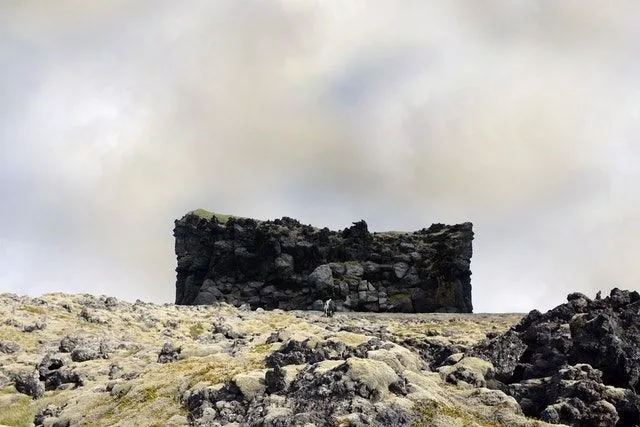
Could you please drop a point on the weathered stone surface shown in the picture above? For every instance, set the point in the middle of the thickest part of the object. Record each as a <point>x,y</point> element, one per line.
<point>52,371</point>
<point>69,343</point>
<point>29,384</point>
<point>8,347</point>
<point>83,354</point>
<point>169,353</point>
<point>578,364</point>
<point>290,265</point>
<point>50,411</point>
<point>469,370</point>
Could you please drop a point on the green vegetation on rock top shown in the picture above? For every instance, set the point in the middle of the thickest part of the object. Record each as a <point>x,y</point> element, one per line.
<point>203,213</point>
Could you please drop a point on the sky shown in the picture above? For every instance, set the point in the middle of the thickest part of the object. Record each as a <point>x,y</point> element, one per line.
<point>521,116</point>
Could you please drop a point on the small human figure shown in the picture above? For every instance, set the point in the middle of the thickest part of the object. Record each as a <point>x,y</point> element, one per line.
<point>329,308</point>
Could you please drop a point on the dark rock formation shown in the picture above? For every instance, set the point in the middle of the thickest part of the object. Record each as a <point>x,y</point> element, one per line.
<point>28,383</point>
<point>49,414</point>
<point>51,370</point>
<point>83,354</point>
<point>69,343</point>
<point>284,264</point>
<point>339,394</point>
<point>169,353</point>
<point>8,347</point>
<point>577,364</point>
<point>297,353</point>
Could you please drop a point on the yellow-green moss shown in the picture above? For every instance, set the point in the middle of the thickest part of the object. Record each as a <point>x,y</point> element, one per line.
<point>18,410</point>
<point>427,411</point>
<point>151,399</point>
<point>18,413</point>
<point>261,348</point>
<point>203,213</point>
<point>32,310</point>
<point>196,330</point>
<point>400,298</point>
<point>25,340</point>
<point>210,369</point>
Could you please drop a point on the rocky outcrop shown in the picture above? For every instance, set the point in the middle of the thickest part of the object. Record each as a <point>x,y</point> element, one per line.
<point>284,264</point>
<point>577,364</point>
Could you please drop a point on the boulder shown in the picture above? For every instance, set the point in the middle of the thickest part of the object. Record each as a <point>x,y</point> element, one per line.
<point>29,383</point>
<point>169,353</point>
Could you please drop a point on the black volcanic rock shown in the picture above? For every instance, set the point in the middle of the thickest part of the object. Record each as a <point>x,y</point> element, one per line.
<point>169,353</point>
<point>284,264</point>
<point>578,364</point>
<point>29,383</point>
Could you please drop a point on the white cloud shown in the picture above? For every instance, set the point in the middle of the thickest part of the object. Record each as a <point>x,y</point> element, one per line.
<point>518,117</point>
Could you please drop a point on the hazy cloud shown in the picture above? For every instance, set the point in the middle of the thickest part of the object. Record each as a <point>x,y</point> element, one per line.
<point>520,116</point>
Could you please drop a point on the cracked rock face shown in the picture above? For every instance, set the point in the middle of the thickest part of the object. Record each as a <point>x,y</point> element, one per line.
<point>577,364</point>
<point>284,264</point>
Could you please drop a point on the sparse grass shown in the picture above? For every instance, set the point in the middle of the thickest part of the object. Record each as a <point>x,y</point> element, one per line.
<point>135,399</point>
<point>18,410</point>
<point>213,369</point>
<point>278,320</point>
<point>159,398</point>
<point>267,322</point>
<point>25,340</point>
<point>18,413</point>
<point>32,309</point>
<point>427,411</point>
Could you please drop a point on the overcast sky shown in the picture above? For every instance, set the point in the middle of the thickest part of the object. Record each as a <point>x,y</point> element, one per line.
<point>117,117</point>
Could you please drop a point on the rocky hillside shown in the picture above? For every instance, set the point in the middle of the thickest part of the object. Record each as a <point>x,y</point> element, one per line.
<point>68,360</point>
<point>284,264</point>
<point>94,361</point>
<point>577,364</point>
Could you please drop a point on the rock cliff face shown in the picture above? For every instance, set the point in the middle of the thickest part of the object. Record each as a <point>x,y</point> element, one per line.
<point>284,264</point>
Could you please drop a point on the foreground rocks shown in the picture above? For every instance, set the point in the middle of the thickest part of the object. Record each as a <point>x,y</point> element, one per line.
<point>577,364</point>
<point>284,264</point>
<point>145,364</point>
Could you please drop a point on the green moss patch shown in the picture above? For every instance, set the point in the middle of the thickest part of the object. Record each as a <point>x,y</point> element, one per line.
<point>25,340</point>
<point>427,411</point>
<point>32,310</point>
<point>196,330</point>
<point>203,213</point>
<point>18,412</point>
